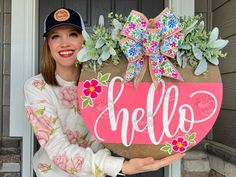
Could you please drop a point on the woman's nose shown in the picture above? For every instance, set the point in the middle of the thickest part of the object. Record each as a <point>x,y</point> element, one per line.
<point>65,42</point>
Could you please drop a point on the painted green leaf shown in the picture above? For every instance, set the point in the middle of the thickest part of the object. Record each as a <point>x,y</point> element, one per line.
<point>99,76</point>
<point>86,101</point>
<point>167,148</point>
<point>104,78</point>
<point>191,138</point>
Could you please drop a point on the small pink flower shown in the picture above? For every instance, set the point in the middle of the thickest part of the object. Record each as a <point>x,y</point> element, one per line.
<point>91,88</point>
<point>144,23</point>
<point>179,144</point>
<point>174,75</point>
<point>68,96</point>
<point>173,44</point>
<point>61,161</point>
<point>42,137</point>
<point>170,51</point>
<point>78,162</point>
<point>158,25</point>
<point>30,113</point>
<point>162,70</point>
<point>39,84</point>
<point>132,25</point>
<point>72,136</point>
<point>44,167</point>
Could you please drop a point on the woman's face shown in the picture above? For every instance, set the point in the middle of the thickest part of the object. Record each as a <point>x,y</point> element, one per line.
<point>64,43</point>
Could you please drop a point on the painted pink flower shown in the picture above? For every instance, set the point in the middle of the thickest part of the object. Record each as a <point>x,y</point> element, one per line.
<point>68,96</point>
<point>179,144</point>
<point>61,161</point>
<point>39,84</point>
<point>91,88</point>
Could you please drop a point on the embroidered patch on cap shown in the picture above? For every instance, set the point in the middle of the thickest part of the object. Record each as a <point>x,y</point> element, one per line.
<point>61,15</point>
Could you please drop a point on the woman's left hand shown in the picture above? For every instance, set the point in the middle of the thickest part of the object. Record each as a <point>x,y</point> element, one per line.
<point>141,165</point>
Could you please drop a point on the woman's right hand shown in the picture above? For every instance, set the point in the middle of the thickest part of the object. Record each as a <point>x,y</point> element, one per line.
<point>141,165</point>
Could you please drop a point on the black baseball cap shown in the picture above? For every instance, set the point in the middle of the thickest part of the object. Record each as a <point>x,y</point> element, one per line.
<point>63,16</point>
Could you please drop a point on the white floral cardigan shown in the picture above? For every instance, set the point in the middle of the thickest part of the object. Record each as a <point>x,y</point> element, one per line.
<point>67,148</point>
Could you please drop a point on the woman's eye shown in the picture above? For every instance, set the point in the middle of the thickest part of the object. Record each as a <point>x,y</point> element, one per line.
<point>54,36</point>
<point>74,34</point>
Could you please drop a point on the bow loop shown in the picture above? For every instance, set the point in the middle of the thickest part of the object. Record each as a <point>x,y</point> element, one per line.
<point>151,44</point>
<point>135,26</point>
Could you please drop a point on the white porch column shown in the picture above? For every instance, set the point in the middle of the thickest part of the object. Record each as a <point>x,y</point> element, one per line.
<point>23,63</point>
<point>180,8</point>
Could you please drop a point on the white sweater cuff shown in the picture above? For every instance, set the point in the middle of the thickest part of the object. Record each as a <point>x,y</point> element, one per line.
<point>113,165</point>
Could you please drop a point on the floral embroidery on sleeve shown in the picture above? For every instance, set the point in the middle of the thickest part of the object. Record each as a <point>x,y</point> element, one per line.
<point>75,137</point>
<point>69,165</point>
<point>39,84</point>
<point>42,124</point>
<point>68,97</point>
<point>43,167</point>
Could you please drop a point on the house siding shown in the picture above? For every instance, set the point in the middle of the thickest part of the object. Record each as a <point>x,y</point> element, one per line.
<point>5,62</point>
<point>224,17</point>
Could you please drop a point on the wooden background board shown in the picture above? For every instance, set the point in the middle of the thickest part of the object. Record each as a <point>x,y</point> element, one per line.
<point>213,75</point>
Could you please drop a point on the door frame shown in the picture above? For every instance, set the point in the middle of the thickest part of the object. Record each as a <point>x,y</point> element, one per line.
<point>24,61</point>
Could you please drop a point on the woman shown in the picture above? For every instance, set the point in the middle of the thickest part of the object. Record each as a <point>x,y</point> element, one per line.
<point>67,148</point>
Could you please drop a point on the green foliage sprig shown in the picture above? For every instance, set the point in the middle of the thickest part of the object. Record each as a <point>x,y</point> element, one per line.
<point>103,43</point>
<point>199,47</point>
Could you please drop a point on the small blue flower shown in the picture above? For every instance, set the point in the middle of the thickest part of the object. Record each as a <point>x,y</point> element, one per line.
<point>132,52</point>
<point>172,23</point>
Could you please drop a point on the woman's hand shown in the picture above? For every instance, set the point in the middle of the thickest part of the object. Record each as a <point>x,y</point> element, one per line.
<point>139,165</point>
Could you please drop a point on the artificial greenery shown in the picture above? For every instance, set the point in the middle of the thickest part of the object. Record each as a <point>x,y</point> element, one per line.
<point>198,48</point>
<point>103,43</point>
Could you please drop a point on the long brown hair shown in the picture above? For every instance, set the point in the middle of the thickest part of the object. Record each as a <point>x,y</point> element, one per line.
<point>48,65</point>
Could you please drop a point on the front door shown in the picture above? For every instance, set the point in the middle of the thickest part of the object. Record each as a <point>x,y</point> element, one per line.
<point>90,11</point>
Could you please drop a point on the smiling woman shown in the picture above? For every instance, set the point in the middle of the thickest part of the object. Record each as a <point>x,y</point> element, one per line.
<point>52,110</point>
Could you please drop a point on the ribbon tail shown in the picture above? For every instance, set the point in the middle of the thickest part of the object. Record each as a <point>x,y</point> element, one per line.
<point>155,75</point>
<point>170,70</point>
<point>140,74</point>
<point>130,72</point>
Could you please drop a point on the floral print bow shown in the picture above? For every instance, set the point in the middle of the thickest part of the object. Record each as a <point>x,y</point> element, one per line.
<point>151,43</point>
